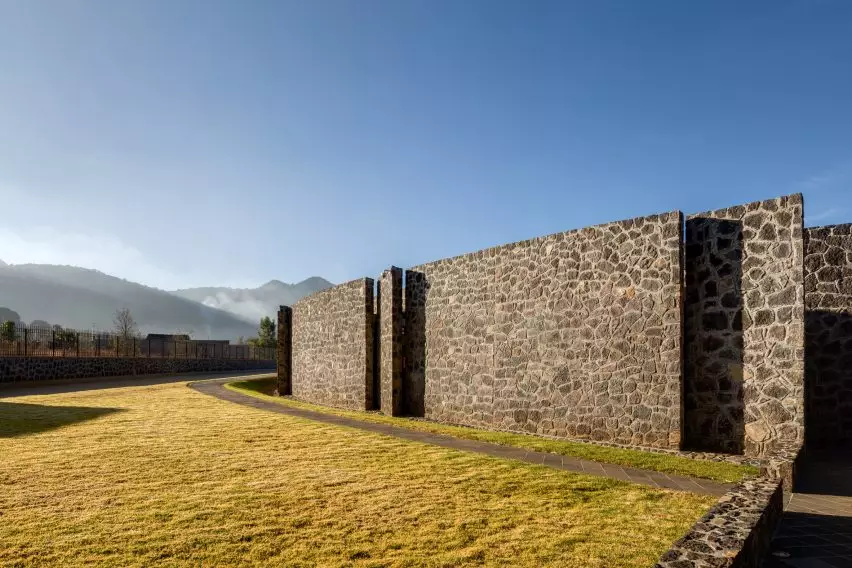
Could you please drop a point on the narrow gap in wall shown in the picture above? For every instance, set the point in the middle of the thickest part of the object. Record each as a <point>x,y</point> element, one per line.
<point>377,344</point>
<point>377,387</point>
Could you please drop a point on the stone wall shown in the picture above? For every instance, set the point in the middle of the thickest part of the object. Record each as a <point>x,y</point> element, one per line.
<point>390,337</point>
<point>744,333</point>
<point>585,334</point>
<point>50,368</point>
<point>332,346</point>
<point>828,332</point>
<point>576,334</point>
<point>735,533</point>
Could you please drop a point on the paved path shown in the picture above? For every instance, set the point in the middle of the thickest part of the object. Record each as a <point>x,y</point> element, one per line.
<point>58,386</point>
<point>651,478</point>
<point>816,529</point>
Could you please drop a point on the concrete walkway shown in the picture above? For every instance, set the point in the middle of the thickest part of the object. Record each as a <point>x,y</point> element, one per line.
<point>816,529</point>
<point>217,389</point>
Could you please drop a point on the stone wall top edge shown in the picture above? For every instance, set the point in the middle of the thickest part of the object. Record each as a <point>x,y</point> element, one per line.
<point>836,229</point>
<point>391,269</point>
<point>793,198</point>
<point>674,214</point>
<point>355,284</point>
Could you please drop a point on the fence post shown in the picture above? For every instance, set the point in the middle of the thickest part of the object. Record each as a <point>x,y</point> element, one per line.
<point>78,345</point>
<point>53,343</point>
<point>134,347</point>
<point>26,333</point>
<point>97,345</point>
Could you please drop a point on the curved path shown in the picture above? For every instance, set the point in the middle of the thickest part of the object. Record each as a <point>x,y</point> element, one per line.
<point>217,389</point>
<point>57,386</point>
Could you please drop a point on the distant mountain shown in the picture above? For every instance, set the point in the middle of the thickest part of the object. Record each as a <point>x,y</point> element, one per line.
<point>254,303</point>
<point>82,298</point>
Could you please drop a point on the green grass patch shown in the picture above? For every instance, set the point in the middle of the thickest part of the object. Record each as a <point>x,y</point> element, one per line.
<point>724,472</point>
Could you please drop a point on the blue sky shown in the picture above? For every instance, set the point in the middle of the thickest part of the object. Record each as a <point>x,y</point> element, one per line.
<point>182,143</point>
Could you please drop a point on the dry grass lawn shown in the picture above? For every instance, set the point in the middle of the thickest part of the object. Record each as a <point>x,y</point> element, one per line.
<point>164,475</point>
<point>724,472</point>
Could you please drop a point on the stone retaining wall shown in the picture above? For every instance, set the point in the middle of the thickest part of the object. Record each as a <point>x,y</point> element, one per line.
<point>828,332</point>
<point>332,346</point>
<point>744,332</point>
<point>50,368</point>
<point>735,533</point>
<point>575,334</point>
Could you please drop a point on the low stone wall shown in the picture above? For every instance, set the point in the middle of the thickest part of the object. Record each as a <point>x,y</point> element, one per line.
<point>14,369</point>
<point>332,346</point>
<point>735,533</point>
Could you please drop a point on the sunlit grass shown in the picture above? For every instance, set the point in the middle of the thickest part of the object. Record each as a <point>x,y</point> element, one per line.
<point>724,472</point>
<point>180,478</point>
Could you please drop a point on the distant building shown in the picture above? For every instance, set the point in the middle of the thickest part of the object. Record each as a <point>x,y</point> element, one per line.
<point>167,337</point>
<point>181,346</point>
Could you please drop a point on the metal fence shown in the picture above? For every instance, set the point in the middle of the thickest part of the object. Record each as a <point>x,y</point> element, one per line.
<point>24,341</point>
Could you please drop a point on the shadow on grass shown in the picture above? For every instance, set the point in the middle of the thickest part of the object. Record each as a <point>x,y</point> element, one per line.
<point>21,419</point>
<point>261,386</point>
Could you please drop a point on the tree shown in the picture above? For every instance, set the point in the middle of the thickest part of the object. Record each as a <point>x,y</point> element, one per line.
<point>64,338</point>
<point>125,329</point>
<point>9,315</point>
<point>124,324</point>
<point>8,332</point>
<point>266,332</point>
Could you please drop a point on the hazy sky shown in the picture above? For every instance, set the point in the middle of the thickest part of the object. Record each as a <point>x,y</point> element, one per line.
<point>184,143</point>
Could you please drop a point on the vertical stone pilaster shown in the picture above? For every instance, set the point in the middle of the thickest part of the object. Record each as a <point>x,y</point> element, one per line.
<point>390,348</point>
<point>744,389</point>
<point>284,384</point>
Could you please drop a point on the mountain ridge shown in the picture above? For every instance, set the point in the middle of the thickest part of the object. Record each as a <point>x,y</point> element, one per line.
<point>83,298</point>
<point>253,303</point>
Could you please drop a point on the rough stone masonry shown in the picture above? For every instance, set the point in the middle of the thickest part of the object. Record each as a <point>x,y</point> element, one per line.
<point>828,332</point>
<point>332,346</point>
<point>630,332</point>
<point>573,335</point>
<point>745,303</point>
